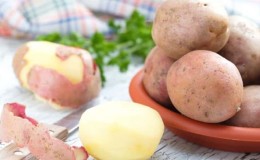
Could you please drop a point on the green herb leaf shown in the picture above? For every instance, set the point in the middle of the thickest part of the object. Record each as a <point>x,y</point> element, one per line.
<point>130,40</point>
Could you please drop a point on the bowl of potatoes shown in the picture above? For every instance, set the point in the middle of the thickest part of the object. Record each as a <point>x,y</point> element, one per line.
<point>203,75</point>
<point>213,135</point>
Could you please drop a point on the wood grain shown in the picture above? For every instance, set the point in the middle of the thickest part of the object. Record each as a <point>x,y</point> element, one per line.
<point>171,147</point>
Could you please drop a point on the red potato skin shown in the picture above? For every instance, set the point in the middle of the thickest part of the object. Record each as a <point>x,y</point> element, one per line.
<point>156,68</point>
<point>24,131</point>
<point>181,26</point>
<point>12,122</point>
<point>56,88</point>
<point>60,90</point>
<point>204,86</point>
<point>249,114</point>
<point>243,48</point>
<point>42,145</point>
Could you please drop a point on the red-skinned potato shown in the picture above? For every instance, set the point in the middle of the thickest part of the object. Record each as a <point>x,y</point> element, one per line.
<point>204,86</point>
<point>63,76</point>
<point>249,114</point>
<point>243,48</point>
<point>181,26</point>
<point>156,68</point>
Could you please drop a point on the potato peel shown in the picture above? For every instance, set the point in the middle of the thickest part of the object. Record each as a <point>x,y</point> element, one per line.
<point>26,132</point>
<point>62,76</point>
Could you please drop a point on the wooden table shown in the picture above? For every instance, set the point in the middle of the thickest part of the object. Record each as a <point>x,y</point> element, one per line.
<point>171,146</point>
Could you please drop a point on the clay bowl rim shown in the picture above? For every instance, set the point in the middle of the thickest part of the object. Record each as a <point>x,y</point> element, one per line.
<point>174,120</point>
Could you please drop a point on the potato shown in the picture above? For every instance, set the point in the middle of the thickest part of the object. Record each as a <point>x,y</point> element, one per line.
<point>156,68</point>
<point>181,26</point>
<point>63,76</point>
<point>121,131</point>
<point>249,114</point>
<point>204,86</point>
<point>243,48</point>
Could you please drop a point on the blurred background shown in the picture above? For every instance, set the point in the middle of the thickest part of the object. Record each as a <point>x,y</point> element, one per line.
<point>29,18</point>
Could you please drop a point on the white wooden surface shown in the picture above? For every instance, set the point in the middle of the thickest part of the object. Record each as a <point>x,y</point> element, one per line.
<point>116,88</point>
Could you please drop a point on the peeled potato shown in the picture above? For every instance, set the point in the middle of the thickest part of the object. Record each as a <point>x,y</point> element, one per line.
<point>63,76</point>
<point>121,131</point>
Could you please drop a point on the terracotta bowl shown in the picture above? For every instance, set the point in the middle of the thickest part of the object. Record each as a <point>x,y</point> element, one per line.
<point>216,136</point>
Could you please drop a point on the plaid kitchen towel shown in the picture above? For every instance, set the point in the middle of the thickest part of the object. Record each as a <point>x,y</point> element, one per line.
<point>123,8</point>
<point>32,17</point>
<point>28,18</point>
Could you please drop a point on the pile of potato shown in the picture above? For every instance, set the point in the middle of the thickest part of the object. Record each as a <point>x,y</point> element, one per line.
<point>206,64</point>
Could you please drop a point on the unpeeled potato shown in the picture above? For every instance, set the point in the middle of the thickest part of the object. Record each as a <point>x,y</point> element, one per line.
<point>204,86</point>
<point>243,48</point>
<point>181,26</point>
<point>156,67</point>
<point>120,131</point>
<point>249,114</point>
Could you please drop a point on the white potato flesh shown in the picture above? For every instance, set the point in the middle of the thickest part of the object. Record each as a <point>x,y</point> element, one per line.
<point>121,130</point>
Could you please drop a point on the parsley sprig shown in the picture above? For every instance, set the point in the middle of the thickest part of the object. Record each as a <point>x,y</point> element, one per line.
<point>133,39</point>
